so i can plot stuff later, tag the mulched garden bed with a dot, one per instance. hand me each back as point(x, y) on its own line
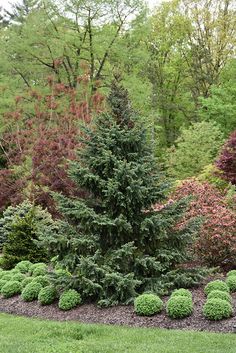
point(121, 315)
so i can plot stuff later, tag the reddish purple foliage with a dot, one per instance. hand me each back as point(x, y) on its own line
point(227, 160)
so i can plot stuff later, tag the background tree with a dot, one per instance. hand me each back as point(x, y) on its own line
point(227, 159)
point(197, 147)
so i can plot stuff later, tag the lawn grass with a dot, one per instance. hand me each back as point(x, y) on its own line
point(24, 335)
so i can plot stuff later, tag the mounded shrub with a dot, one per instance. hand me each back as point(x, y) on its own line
point(23, 266)
point(182, 292)
point(218, 294)
point(19, 277)
point(7, 276)
point(2, 283)
point(47, 295)
point(43, 280)
point(231, 282)
point(216, 285)
point(39, 269)
point(26, 281)
point(11, 288)
point(3, 273)
point(31, 292)
point(231, 273)
point(179, 307)
point(148, 304)
point(69, 299)
point(217, 309)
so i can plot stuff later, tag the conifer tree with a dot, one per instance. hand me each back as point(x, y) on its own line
point(113, 242)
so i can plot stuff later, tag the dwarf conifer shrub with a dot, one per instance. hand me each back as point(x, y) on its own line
point(47, 295)
point(31, 292)
point(148, 304)
point(231, 273)
point(38, 269)
point(26, 281)
point(216, 285)
point(18, 277)
point(7, 276)
point(11, 288)
point(231, 282)
point(2, 283)
point(23, 266)
point(43, 280)
point(218, 294)
point(182, 292)
point(217, 309)
point(179, 307)
point(69, 299)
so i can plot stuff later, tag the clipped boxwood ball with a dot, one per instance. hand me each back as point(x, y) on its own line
point(231, 283)
point(182, 292)
point(11, 288)
point(47, 295)
point(231, 273)
point(179, 307)
point(18, 277)
point(217, 309)
point(43, 280)
point(148, 304)
point(23, 266)
point(31, 292)
point(69, 299)
point(220, 295)
point(216, 285)
point(2, 283)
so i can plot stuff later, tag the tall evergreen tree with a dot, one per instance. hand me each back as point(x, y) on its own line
point(113, 242)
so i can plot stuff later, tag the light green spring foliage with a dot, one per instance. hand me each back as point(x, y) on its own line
point(69, 299)
point(220, 295)
point(23, 266)
point(11, 288)
point(231, 282)
point(217, 309)
point(179, 307)
point(47, 295)
point(148, 304)
point(231, 273)
point(196, 148)
point(31, 292)
point(216, 285)
point(182, 292)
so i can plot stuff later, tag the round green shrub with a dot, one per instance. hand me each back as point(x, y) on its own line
point(148, 304)
point(69, 299)
point(3, 273)
point(231, 273)
point(47, 295)
point(31, 292)
point(39, 269)
point(26, 281)
point(23, 266)
point(231, 282)
point(14, 271)
point(182, 292)
point(18, 277)
point(7, 276)
point(11, 288)
point(216, 285)
point(179, 307)
point(220, 295)
point(217, 309)
point(43, 280)
point(2, 283)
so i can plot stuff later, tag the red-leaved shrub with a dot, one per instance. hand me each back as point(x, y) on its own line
point(216, 242)
point(227, 160)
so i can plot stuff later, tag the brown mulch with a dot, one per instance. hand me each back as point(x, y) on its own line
point(121, 315)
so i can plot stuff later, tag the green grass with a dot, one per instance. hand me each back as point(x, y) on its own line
point(23, 335)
